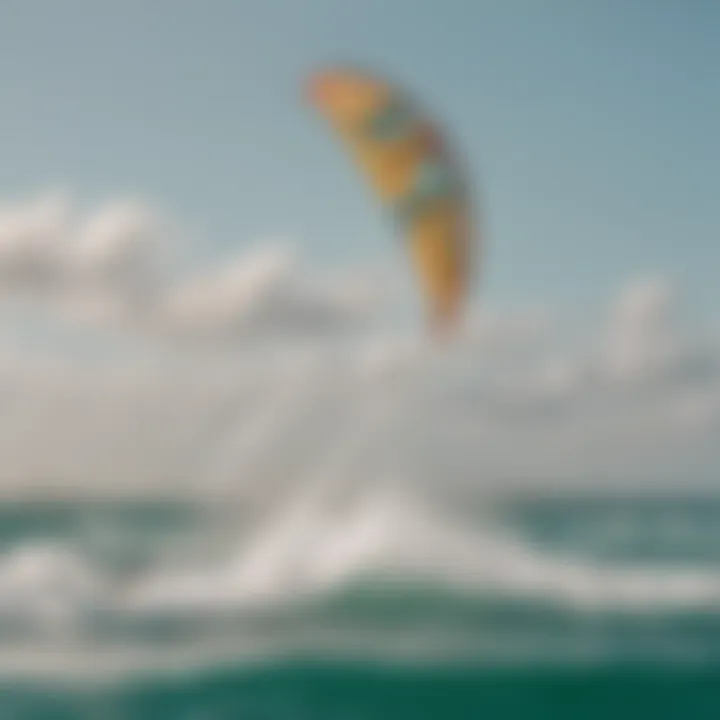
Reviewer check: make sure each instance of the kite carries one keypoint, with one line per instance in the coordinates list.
(407, 162)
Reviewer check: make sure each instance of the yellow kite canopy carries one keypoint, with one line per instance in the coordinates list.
(408, 164)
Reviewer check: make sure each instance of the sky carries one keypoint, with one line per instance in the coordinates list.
(162, 177)
(589, 127)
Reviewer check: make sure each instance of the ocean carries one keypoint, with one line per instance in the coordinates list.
(352, 551)
(535, 605)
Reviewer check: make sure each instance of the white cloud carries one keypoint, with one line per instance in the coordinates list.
(111, 264)
(231, 294)
(642, 338)
(511, 400)
(118, 245)
(647, 339)
(95, 265)
(34, 237)
(261, 293)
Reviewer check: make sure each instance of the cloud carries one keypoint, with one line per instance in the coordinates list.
(646, 339)
(95, 265)
(112, 264)
(259, 417)
(33, 244)
(642, 337)
(515, 399)
(118, 245)
(262, 293)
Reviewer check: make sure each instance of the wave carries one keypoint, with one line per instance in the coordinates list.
(384, 576)
(315, 550)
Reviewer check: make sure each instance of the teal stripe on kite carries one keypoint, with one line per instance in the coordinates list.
(435, 181)
(392, 122)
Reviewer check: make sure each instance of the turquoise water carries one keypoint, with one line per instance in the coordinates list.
(532, 607)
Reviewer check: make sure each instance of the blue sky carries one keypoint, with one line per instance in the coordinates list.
(590, 126)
